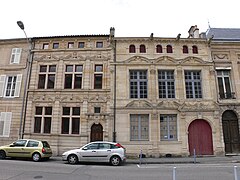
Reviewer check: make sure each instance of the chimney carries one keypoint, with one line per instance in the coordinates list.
(112, 32)
(193, 32)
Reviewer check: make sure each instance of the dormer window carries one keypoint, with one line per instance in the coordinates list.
(142, 48)
(132, 49)
(169, 49)
(195, 50)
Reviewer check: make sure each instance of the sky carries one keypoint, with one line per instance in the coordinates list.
(130, 18)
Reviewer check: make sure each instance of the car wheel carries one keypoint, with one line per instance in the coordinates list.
(115, 161)
(2, 155)
(72, 159)
(36, 157)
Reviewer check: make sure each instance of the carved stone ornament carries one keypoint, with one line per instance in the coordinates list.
(220, 56)
(139, 104)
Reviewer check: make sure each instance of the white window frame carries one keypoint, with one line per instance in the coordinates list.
(5, 118)
(3, 85)
(15, 55)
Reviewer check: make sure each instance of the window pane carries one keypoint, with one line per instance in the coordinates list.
(66, 110)
(55, 45)
(52, 68)
(65, 125)
(41, 81)
(51, 81)
(78, 68)
(69, 68)
(81, 44)
(78, 81)
(43, 68)
(99, 44)
(48, 110)
(97, 81)
(98, 68)
(75, 125)
(68, 81)
(76, 111)
(47, 125)
(37, 124)
(39, 110)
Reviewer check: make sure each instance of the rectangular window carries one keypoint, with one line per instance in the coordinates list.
(71, 120)
(10, 85)
(99, 45)
(193, 84)
(98, 76)
(168, 127)
(15, 55)
(97, 109)
(5, 123)
(166, 84)
(138, 84)
(71, 45)
(46, 78)
(139, 127)
(81, 45)
(224, 84)
(73, 77)
(55, 45)
(45, 45)
(43, 120)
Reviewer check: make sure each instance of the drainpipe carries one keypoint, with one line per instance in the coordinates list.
(114, 91)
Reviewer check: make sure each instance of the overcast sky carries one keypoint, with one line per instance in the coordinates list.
(131, 18)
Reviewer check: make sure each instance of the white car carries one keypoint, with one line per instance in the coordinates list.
(99, 151)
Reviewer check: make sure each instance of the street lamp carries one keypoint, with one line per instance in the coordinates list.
(29, 64)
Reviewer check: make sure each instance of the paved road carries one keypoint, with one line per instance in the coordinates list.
(58, 170)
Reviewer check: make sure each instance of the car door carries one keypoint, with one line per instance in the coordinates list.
(16, 149)
(31, 147)
(88, 153)
(104, 152)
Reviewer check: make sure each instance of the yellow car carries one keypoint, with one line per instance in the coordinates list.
(27, 148)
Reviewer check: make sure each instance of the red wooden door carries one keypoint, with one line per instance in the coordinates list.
(96, 132)
(200, 138)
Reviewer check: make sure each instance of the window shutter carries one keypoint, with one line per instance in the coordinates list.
(18, 55)
(18, 85)
(1, 124)
(7, 116)
(2, 84)
(13, 55)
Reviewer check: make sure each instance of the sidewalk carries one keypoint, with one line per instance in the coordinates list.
(181, 160)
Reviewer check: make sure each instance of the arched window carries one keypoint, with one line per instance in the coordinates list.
(194, 50)
(142, 48)
(169, 49)
(185, 49)
(132, 49)
(159, 48)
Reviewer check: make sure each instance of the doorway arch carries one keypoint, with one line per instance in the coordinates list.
(230, 132)
(96, 132)
(200, 138)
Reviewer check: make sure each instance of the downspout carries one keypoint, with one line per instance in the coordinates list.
(114, 91)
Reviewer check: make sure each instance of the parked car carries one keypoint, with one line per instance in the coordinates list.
(27, 148)
(100, 151)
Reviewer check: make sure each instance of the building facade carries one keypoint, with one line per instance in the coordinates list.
(14, 60)
(166, 98)
(225, 51)
(68, 102)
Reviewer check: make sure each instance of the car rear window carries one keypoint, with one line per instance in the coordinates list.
(45, 144)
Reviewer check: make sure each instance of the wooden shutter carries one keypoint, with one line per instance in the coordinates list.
(18, 85)
(7, 118)
(2, 84)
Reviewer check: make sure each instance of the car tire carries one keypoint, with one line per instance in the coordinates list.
(115, 161)
(36, 157)
(2, 154)
(72, 159)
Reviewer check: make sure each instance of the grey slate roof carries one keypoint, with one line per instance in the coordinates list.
(228, 34)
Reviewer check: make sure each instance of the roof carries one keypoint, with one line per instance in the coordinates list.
(70, 36)
(227, 34)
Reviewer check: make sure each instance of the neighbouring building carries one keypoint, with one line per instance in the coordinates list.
(69, 95)
(14, 56)
(166, 98)
(224, 45)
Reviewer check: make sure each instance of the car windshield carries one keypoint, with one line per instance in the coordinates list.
(45, 144)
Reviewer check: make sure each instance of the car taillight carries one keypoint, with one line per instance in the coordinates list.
(43, 150)
(119, 145)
